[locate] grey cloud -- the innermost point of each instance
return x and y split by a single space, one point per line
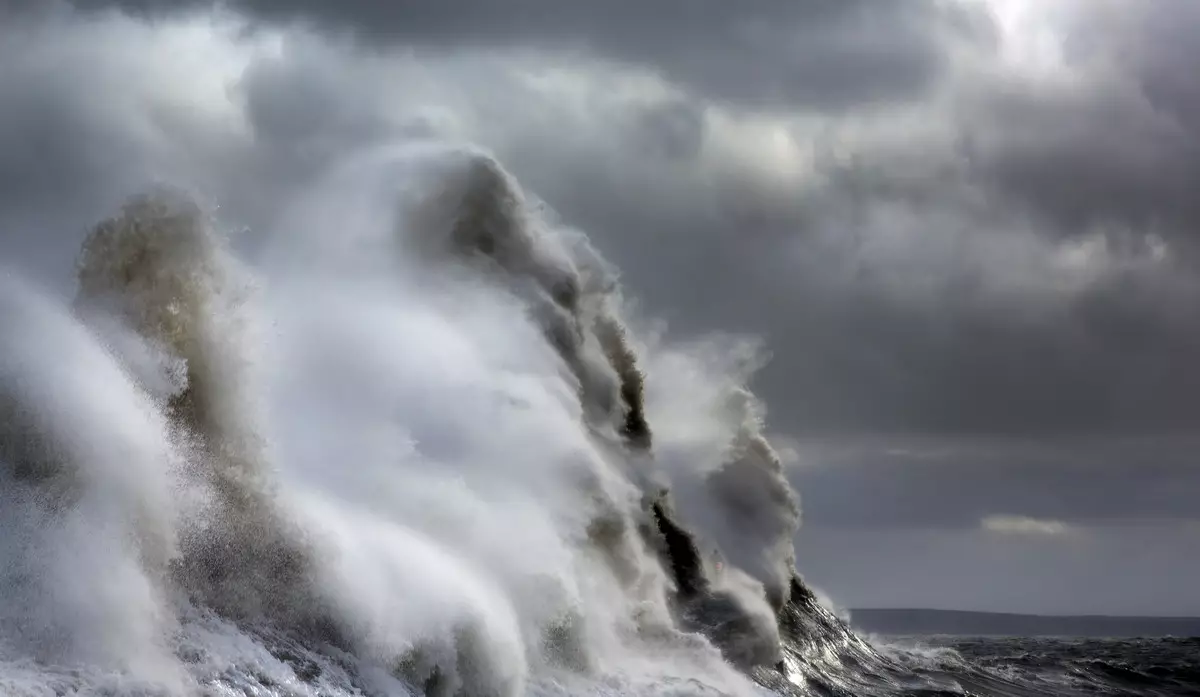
950 484
968 323
1111 155
820 53
1102 570
914 280
74 134
965 325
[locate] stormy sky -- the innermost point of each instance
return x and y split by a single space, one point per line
968 231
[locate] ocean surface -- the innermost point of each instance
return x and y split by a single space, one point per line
1048 666
897 621
418 444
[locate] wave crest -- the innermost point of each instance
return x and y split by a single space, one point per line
439 469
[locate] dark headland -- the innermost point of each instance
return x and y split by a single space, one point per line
962 623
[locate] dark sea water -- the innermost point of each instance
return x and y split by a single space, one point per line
1047 666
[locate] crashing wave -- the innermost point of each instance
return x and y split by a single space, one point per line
162 270
484 218
443 473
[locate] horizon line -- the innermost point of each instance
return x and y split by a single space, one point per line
1023 614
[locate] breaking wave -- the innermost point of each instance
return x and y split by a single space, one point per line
416 447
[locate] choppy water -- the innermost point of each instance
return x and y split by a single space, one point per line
1019 667
1059 666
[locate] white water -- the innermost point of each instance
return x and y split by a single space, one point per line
358 460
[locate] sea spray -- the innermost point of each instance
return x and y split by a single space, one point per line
87 478
162 267
418 447
484 220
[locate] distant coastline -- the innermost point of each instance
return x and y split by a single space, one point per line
966 623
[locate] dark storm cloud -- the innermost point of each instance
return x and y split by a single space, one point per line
1122 147
1046 276
970 247
820 53
975 319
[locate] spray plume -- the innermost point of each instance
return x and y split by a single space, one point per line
439 472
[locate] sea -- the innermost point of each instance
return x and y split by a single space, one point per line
1150 667
417 442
